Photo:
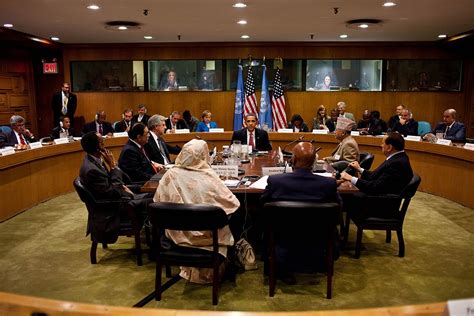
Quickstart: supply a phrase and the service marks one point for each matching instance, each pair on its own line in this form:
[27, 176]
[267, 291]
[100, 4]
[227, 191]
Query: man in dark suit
[133, 159]
[394, 119]
[99, 125]
[64, 128]
[126, 123]
[64, 103]
[174, 122]
[19, 136]
[141, 116]
[451, 129]
[157, 149]
[101, 176]
[406, 125]
[300, 185]
[251, 135]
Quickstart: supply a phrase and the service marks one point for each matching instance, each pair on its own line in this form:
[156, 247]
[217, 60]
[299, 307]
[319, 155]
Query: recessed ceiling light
[122, 28]
[363, 26]
[242, 22]
[7, 25]
[343, 36]
[442, 36]
[148, 37]
[389, 4]
[245, 36]
[54, 38]
[239, 5]
[93, 7]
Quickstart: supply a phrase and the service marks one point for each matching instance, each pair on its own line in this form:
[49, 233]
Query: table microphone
[290, 143]
[208, 142]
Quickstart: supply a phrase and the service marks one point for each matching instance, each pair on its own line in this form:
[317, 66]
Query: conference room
[397, 59]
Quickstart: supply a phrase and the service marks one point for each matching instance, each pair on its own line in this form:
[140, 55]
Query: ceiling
[215, 20]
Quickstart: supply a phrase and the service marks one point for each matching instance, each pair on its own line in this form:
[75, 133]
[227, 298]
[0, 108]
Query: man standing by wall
[64, 103]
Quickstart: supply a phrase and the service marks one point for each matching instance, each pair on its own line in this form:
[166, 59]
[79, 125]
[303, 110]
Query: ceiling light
[442, 36]
[343, 36]
[122, 27]
[148, 37]
[389, 4]
[7, 25]
[93, 7]
[245, 36]
[54, 38]
[239, 5]
[363, 25]
[242, 22]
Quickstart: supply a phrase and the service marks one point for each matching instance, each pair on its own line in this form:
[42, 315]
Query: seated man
[99, 125]
[300, 185]
[174, 122]
[101, 176]
[368, 125]
[157, 149]
[347, 150]
[190, 121]
[341, 107]
[449, 128]
[394, 119]
[251, 135]
[378, 121]
[126, 123]
[63, 130]
[406, 125]
[19, 136]
[133, 159]
[141, 117]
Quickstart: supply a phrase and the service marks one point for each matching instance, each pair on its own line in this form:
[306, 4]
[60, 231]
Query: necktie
[165, 159]
[22, 139]
[251, 141]
[144, 153]
[100, 129]
[64, 109]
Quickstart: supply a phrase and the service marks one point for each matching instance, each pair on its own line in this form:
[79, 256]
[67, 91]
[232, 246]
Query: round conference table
[32, 176]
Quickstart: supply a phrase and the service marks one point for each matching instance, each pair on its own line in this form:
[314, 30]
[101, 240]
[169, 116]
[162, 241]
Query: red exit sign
[50, 68]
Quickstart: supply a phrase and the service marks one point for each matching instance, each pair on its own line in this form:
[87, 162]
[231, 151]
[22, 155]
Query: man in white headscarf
[192, 180]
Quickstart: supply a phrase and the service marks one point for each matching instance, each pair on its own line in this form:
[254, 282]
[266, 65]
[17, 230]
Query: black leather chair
[187, 217]
[391, 211]
[104, 214]
[366, 159]
[289, 218]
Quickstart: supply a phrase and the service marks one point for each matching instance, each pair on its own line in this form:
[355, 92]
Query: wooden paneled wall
[427, 106]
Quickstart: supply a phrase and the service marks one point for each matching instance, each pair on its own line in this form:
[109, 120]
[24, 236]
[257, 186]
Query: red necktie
[100, 129]
[251, 142]
[22, 139]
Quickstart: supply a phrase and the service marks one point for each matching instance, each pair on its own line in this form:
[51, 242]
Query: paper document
[280, 155]
[232, 183]
[323, 174]
[260, 183]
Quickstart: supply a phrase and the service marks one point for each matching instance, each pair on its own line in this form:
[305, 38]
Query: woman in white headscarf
[193, 181]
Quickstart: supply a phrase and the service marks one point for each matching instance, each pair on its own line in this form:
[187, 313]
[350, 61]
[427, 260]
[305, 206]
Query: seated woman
[192, 180]
[206, 123]
[322, 120]
[297, 124]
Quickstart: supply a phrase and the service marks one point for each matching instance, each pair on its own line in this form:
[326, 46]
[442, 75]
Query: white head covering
[344, 124]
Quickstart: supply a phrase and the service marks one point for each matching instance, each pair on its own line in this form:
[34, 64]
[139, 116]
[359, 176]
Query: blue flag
[265, 116]
[239, 101]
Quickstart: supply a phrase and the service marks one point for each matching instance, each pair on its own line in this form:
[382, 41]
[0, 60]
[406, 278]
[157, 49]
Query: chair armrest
[135, 187]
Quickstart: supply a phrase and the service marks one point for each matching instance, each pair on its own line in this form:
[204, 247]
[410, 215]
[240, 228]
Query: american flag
[278, 103]
[250, 105]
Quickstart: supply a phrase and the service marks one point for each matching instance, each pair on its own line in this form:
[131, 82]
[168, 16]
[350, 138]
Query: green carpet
[44, 252]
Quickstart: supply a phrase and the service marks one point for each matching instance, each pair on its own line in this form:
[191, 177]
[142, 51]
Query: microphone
[287, 153]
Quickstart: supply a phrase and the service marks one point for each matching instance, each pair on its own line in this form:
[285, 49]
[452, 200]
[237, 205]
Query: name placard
[320, 131]
[461, 307]
[216, 130]
[446, 142]
[182, 131]
[121, 134]
[35, 145]
[413, 138]
[226, 171]
[7, 151]
[285, 130]
[469, 146]
[58, 141]
[269, 171]
[355, 133]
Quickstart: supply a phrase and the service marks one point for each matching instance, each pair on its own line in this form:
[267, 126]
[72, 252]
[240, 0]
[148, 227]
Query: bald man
[450, 128]
[293, 254]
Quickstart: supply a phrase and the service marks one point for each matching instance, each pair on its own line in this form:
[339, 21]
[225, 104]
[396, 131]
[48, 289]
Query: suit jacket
[144, 120]
[375, 127]
[261, 138]
[55, 132]
[304, 127]
[179, 125]
[9, 139]
[154, 153]
[350, 116]
[410, 128]
[134, 163]
[57, 106]
[457, 132]
[347, 150]
[202, 127]
[122, 126]
[389, 178]
[91, 127]
[393, 120]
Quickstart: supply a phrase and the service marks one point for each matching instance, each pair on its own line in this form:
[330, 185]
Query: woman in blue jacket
[206, 123]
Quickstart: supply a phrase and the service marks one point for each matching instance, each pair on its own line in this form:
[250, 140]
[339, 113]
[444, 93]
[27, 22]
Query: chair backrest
[5, 129]
[423, 127]
[340, 165]
[407, 193]
[83, 193]
[366, 160]
[179, 216]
